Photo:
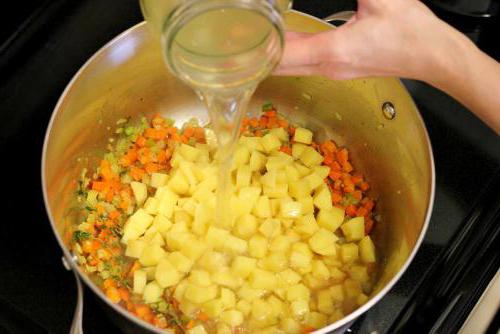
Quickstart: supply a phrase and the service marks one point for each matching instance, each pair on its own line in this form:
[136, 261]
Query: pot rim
[88, 282]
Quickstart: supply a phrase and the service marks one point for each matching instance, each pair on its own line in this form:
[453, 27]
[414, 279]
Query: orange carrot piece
[188, 132]
[137, 173]
[254, 122]
[141, 141]
[151, 167]
[113, 295]
[190, 324]
[99, 186]
[203, 316]
[124, 294]
[286, 149]
[351, 210]
[364, 186]
[336, 197]
[368, 225]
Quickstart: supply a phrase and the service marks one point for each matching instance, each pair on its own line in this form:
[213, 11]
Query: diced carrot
[142, 311]
[114, 214]
[124, 294]
[109, 283]
[361, 212]
[156, 134]
[369, 204]
[188, 132]
[258, 133]
[87, 246]
[270, 113]
[263, 122]
[336, 197]
[336, 166]
[291, 130]
[199, 134]
[272, 123]
[328, 159]
[168, 153]
[368, 225]
[286, 149]
[113, 295]
[347, 167]
[129, 158]
[342, 156]
[308, 329]
[328, 146]
[99, 186]
[190, 324]
[202, 316]
[357, 195]
[364, 186]
[175, 137]
[134, 267]
[348, 186]
[151, 167]
[137, 173]
[254, 122]
[140, 141]
[160, 322]
[144, 155]
[337, 185]
[357, 179]
[157, 120]
[334, 175]
[351, 210]
[184, 139]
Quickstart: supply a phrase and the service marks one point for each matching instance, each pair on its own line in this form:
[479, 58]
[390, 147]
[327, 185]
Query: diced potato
[320, 270]
[270, 227]
[167, 201]
[290, 209]
[158, 180]
[187, 169]
[322, 171]
[291, 326]
[140, 279]
[359, 273]
[352, 288]
[278, 191]
[337, 275]
[337, 293]
[331, 219]
[216, 237]
[212, 261]
[349, 252]
[166, 275]
[299, 260]
[188, 152]
[213, 308]
[310, 157]
[278, 161]
[280, 133]
[316, 320]
[241, 156]
[194, 250]
[179, 289]
[197, 330]
[367, 250]
[262, 208]
[280, 243]
[155, 238]
[257, 161]
[151, 255]
[335, 316]
[200, 294]
[200, 277]
[178, 183]
[299, 308]
[151, 206]
[232, 318]
[299, 189]
[269, 178]
[298, 292]
[297, 150]
[307, 204]
[325, 302]
[354, 229]
[181, 216]
[243, 176]
[242, 266]
[176, 240]
[246, 226]
[250, 294]
[275, 262]
[235, 245]
[152, 293]
[223, 329]
[323, 242]
[290, 277]
[180, 262]
[307, 225]
[361, 299]
[244, 307]
[314, 181]
[188, 308]
[136, 225]
[261, 310]
[263, 279]
[323, 199]
[291, 173]
[140, 191]
[270, 142]
[303, 136]
[301, 169]
[252, 143]
[135, 248]
[228, 298]
[226, 278]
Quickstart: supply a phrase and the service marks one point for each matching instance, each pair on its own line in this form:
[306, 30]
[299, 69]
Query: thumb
[303, 49]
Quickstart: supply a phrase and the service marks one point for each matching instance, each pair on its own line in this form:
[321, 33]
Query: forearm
[470, 76]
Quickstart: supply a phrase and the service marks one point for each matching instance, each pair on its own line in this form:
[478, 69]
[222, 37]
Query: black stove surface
[37, 295]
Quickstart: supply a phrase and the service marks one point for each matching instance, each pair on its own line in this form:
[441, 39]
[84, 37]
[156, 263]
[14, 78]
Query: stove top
[455, 263]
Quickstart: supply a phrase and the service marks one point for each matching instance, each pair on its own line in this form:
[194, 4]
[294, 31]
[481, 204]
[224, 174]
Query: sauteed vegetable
[297, 256]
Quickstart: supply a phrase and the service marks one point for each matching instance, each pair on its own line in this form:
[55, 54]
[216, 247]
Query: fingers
[304, 50]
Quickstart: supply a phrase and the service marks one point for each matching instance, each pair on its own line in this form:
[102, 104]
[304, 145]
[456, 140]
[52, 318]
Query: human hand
[399, 38]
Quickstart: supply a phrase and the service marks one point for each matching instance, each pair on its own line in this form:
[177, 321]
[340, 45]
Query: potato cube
[252, 143]
[280, 243]
[257, 246]
[280, 133]
[349, 252]
[297, 150]
[232, 318]
[212, 261]
[299, 189]
[257, 161]
[167, 201]
[325, 302]
[337, 275]
[299, 308]
[140, 279]
[270, 142]
[291, 173]
[224, 277]
[243, 176]
[244, 307]
[316, 320]
[359, 273]
[361, 299]
[331, 219]
[178, 183]
[352, 288]
[270, 227]
[299, 260]
[307, 204]
[181, 216]
[158, 180]
[290, 277]
[320, 270]
[166, 275]
[269, 179]
[322, 171]
[290, 326]
[263, 279]
[140, 191]
[354, 229]
[302, 170]
[278, 160]
[136, 225]
[189, 206]
[213, 308]
[250, 294]
[151, 255]
[188, 308]
[135, 248]
[323, 199]
[281, 177]
[261, 310]
[298, 292]
[337, 293]
[314, 181]
[242, 266]
[303, 136]
[246, 226]
[235, 245]
[306, 225]
[188, 152]
[200, 277]
[223, 329]
[152, 293]
[228, 298]
[216, 237]
[310, 157]
[323, 242]
[278, 191]
[176, 240]
[262, 208]
[290, 209]
[194, 249]
[275, 262]
[151, 206]
[200, 294]
[241, 156]
[180, 262]
[367, 250]
[197, 330]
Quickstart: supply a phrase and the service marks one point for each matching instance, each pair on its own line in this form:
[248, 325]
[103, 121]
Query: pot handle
[343, 16]
[76, 324]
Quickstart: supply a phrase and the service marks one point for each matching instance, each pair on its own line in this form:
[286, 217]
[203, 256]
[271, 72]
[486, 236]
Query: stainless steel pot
[375, 118]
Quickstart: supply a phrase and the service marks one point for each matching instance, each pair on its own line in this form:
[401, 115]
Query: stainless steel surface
[76, 323]
[127, 77]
